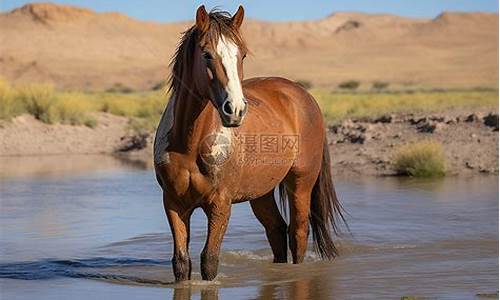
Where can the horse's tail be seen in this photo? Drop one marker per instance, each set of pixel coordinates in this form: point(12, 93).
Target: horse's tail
point(325, 210)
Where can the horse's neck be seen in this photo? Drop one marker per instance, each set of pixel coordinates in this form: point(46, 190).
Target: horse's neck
point(191, 114)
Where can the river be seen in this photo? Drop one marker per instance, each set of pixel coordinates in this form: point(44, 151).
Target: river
point(80, 227)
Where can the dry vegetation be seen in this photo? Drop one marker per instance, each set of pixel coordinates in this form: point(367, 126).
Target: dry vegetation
point(337, 106)
point(76, 108)
point(145, 108)
point(421, 159)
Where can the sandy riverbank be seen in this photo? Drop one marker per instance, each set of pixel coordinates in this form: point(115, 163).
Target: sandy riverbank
point(358, 146)
point(367, 147)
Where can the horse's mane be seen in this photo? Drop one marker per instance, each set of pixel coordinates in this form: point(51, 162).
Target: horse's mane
point(182, 61)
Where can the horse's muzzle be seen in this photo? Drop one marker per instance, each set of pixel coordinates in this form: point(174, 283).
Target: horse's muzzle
point(232, 116)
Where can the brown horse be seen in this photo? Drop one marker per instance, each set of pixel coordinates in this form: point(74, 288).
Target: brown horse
point(222, 140)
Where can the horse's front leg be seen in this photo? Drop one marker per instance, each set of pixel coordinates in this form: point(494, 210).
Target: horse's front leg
point(218, 212)
point(178, 218)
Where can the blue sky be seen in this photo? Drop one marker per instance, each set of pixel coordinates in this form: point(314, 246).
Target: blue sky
point(280, 10)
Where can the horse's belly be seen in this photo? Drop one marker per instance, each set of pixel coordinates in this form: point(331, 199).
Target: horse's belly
point(261, 161)
point(257, 177)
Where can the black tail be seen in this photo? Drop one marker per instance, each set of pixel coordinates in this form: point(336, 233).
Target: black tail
point(325, 210)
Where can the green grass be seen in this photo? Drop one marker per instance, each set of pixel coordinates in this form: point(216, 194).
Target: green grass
point(338, 106)
point(421, 159)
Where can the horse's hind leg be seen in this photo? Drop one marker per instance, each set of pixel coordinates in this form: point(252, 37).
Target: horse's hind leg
point(299, 187)
point(178, 219)
point(267, 212)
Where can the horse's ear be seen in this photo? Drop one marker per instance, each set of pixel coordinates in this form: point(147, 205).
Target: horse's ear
point(202, 19)
point(238, 17)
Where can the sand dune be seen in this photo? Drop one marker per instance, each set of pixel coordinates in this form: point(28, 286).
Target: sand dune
point(77, 48)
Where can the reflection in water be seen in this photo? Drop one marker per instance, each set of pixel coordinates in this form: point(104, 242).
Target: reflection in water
point(305, 288)
point(185, 293)
point(295, 290)
point(67, 219)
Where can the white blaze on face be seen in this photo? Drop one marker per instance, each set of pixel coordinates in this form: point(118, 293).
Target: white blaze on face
point(228, 51)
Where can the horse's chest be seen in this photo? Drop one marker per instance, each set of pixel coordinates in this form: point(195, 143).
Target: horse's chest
point(216, 148)
point(183, 177)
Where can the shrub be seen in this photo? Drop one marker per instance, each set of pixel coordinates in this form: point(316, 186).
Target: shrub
point(148, 115)
point(120, 105)
point(70, 108)
point(380, 85)
point(90, 122)
point(9, 106)
point(306, 84)
point(143, 125)
point(159, 86)
point(349, 85)
point(421, 159)
point(120, 88)
point(152, 106)
point(37, 100)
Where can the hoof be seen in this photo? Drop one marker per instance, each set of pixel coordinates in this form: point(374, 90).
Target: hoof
point(182, 267)
point(280, 260)
point(209, 266)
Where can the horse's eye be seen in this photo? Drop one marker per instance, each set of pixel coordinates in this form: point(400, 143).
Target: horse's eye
point(244, 56)
point(207, 56)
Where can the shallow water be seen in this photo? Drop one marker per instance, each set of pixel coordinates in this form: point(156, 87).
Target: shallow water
point(69, 229)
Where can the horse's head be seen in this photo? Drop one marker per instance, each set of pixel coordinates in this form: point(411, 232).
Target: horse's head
point(219, 57)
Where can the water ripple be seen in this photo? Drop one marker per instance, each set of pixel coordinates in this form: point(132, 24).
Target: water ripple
point(53, 268)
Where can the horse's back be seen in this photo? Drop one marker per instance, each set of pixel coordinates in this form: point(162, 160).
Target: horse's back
point(284, 99)
point(272, 85)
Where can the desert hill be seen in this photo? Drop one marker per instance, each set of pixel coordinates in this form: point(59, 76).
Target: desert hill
point(77, 48)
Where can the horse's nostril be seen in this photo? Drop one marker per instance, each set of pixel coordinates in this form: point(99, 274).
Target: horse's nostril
point(244, 110)
point(227, 108)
